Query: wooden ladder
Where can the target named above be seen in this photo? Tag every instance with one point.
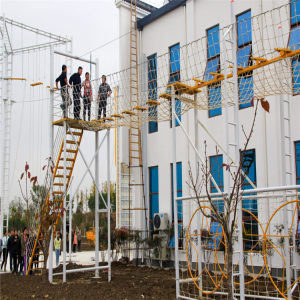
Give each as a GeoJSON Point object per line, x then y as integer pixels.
{"type": "Point", "coordinates": [58, 185]}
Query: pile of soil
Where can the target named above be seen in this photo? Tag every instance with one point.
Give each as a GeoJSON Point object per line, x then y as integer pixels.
{"type": "Point", "coordinates": [128, 282]}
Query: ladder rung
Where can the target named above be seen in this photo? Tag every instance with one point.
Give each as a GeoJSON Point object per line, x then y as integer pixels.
{"type": "Point", "coordinates": [71, 151]}
{"type": "Point", "coordinates": [61, 176]}
{"type": "Point", "coordinates": [58, 184]}
{"type": "Point", "coordinates": [68, 159]}
{"type": "Point", "coordinates": [75, 133]}
{"type": "Point", "coordinates": [71, 142]}
{"type": "Point", "coordinates": [57, 192]}
{"type": "Point", "coordinates": [61, 168]}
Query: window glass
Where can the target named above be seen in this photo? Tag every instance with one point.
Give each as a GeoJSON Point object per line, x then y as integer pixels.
{"type": "Point", "coordinates": [175, 58]}
{"type": "Point", "coordinates": [245, 91]}
{"type": "Point", "coordinates": [212, 67]}
{"type": "Point", "coordinates": [153, 125]}
{"type": "Point", "coordinates": [244, 28]}
{"type": "Point", "coordinates": [179, 190]}
{"type": "Point", "coordinates": [294, 42]}
{"type": "Point", "coordinates": [153, 191]}
{"type": "Point", "coordinates": [296, 76]}
{"type": "Point", "coordinates": [243, 56]}
{"type": "Point", "coordinates": [297, 146]}
{"type": "Point", "coordinates": [214, 98]}
{"type": "Point", "coordinates": [213, 42]}
{"type": "Point", "coordinates": [152, 68]}
{"type": "Point", "coordinates": [295, 12]}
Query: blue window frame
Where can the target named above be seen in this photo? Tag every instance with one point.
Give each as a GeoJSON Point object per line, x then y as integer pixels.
{"type": "Point", "coordinates": [153, 193]}
{"type": "Point", "coordinates": [152, 88]}
{"type": "Point", "coordinates": [250, 224]}
{"type": "Point", "coordinates": [179, 190]}
{"type": "Point", "coordinates": [245, 91]}
{"type": "Point", "coordinates": [216, 163]}
{"type": "Point", "coordinates": [213, 42]}
{"type": "Point", "coordinates": [214, 98]}
{"type": "Point", "coordinates": [244, 28]}
{"type": "Point", "coordinates": [295, 12]}
{"type": "Point", "coordinates": [244, 52]}
{"type": "Point", "coordinates": [212, 66]}
{"type": "Point", "coordinates": [297, 157]}
{"type": "Point", "coordinates": [296, 77]}
{"type": "Point", "coordinates": [294, 41]}
{"type": "Point", "coordinates": [175, 77]}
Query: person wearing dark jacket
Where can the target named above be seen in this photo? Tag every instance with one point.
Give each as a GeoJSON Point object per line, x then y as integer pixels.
{"type": "Point", "coordinates": [16, 251]}
{"type": "Point", "coordinates": [75, 80]}
{"type": "Point", "coordinates": [9, 244]}
{"type": "Point", "coordinates": [103, 93]}
{"type": "Point", "coordinates": [62, 79]}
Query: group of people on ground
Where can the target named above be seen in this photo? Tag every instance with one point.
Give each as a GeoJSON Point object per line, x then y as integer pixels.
{"type": "Point", "coordinates": [104, 91]}
{"type": "Point", "coordinates": [14, 246]}
{"type": "Point", "coordinates": [75, 240]}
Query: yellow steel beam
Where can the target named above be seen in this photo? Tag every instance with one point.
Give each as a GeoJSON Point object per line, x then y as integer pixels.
{"type": "Point", "coordinates": [284, 53]}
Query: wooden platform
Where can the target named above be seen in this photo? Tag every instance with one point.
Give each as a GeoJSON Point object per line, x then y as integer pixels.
{"type": "Point", "coordinates": [83, 125]}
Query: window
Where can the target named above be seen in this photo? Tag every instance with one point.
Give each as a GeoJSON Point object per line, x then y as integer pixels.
{"type": "Point", "coordinates": [153, 193]}
{"type": "Point", "coordinates": [216, 163]}
{"type": "Point", "coordinates": [297, 157]}
{"type": "Point", "coordinates": [244, 52]}
{"type": "Point", "coordinates": [179, 190]}
{"type": "Point", "coordinates": [250, 223]}
{"type": "Point", "coordinates": [213, 66]}
{"type": "Point", "coordinates": [152, 87]}
{"type": "Point", "coordinates": [294, 44]}
{"type": "Point", "coordinates": [174, 77]}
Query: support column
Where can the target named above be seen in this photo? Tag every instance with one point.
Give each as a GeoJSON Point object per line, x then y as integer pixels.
{"type": "Point", "coordinates": [283, 177]}
{"type": "Point", "coordinates": [108, 205]}
{"type": "Point", "coordinates": [237, 152]}
{"type": "Point", "coordinates": [175, 192]}
{"type": "Point", "coordinates": [96, 178]}
{"type": "Point", "coordinates": [65, 214]}
{"type": "Point", "coordinates": [50, 261]}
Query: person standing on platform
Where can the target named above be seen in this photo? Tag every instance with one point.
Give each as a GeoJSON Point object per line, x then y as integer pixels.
{"type": "Point", "coordinates": [75, 81]}
{"type": "Point", "coordinates": [103, 93]}
{"type": "Point", "coordinates": [62, 79]}
{"type": "Point", "coordinates": [87, 96]}
{"type": "Point", "coordinates": [5, 252]}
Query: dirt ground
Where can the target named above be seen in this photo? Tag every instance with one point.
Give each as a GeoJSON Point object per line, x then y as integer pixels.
{"type": "Point", "coordinates": [128, 282]}
{"type": "Point", "coordinates": [85, 245]}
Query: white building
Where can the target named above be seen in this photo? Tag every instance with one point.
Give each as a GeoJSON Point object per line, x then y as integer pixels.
{"type": "Point", "coordinates": [179, 23]}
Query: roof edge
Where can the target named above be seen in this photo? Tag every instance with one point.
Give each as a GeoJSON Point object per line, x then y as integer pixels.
{"type": "Point", "coordinates": [159, 13]}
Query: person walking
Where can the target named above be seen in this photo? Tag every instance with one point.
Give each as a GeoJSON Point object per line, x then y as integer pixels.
{"type": "Point", "coordinates": [9, 245]}
{"type": "Point", "coordinates": [62, 79]}
{"type": "Point", "coordinates": [15, 250]}
{"type": "Point", "coordinates": [87, 96]}
{"type": "Point", "coordinates": [22, 259]}
{"type": "Point", "coordinates": [79, 241]}
{"type": "Point", "coordinates": [57, 245]}
{"type": "Point", "coordinates": [75, 81]}
{"type": "Point", "coordinates": [1, 244]}
{"type": "Point", "coordinates": [103, 93]}
{"type": "Point", "coordinates": [5, 251]}
{"type": "Point", "coordinates": [67, 237]}
{"type": "Point", "coordinates": [74, 242]}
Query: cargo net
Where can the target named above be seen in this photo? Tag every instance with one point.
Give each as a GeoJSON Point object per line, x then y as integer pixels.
{"type": "Point", "coordinates": [268, 48]}
{"type": "Point", "coordinates": [269, 239]}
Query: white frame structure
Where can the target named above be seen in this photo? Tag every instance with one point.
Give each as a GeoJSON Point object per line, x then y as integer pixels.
{"type": "Point", "coordinates": [6, 58]}
{"type": "Point", "coordinates": [94, 178]}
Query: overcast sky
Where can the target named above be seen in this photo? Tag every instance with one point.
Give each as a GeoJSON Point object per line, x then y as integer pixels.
{"type": "Point", "coordinates": [91, 24]}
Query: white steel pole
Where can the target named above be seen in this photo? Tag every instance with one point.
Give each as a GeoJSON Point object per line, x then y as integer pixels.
{"type": "Point", "coordinates": [199, 246]}
{"type": "Point", "coordinates": [108, 205]}
{"type": "Point", "coordinates": [237, 152]}
{"type": "Point", "coordinates": [97, 184]}
{"type": "Point", "coordinates": [50, 262]}
{"type": "Point", "coordinates": [70, 228]}
{"type": "Point", "coordinates": [175, 192]}
{"type": "Point", "coordinates": [283, 177]}
{"type": "Point", "coordinates": [65, 205]}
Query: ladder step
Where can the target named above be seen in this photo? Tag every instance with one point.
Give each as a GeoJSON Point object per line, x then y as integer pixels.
{"type": "Point", "coordinates": [71, 142]}
{"type": "Point", "coordinates": [58, 200]}
{"type": "Point", "coordinates": [75, 133]}
{"type": "Point", "coordinates": [68, 159]}
{"type": "Point", "coordinates": [57, 192]}
{"type": "Point", "coordinates": [71, 151]}
{"type": "Point", "coordinates": [61, 168]}
{"type": "Point", "coordinates": [61, 176]}
{"type": "Point", "coordinates": [58, 184]}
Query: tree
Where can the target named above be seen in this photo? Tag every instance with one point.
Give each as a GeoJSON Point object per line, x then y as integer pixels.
{"type": "Point", "coordinates": [78, 218]}
{"type": "Point", "coordinates": [227, 217]}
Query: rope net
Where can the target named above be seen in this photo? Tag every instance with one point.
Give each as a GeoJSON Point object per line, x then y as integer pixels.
{"type": "Point", "coordinates": [265, 255]}
{"type": "Point", "coordinates": [267, 59]}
